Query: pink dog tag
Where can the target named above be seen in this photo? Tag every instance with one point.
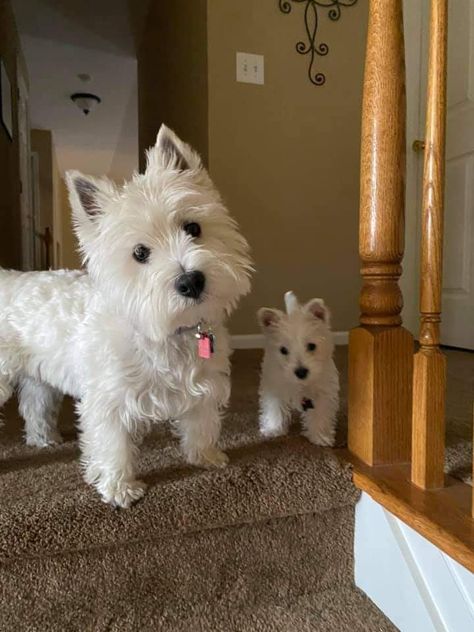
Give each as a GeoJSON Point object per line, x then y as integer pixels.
{"type": "Point", "coordinates": [205, 346]}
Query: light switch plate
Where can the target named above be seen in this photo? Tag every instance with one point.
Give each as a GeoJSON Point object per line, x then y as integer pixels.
{"type": "Point", "coordinates": [250, 68]}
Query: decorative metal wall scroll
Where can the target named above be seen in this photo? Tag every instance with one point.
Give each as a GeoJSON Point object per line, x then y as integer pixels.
{"type": "Point", "coordinates": [311, 22]}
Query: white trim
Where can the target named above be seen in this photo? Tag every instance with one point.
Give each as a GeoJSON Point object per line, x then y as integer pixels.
{"type": "Point", "coordinates": [341, 338]}
{"type": "Point", "coordinates": [420, 588]}
{"type": "Point", "coordinates": [247, 341]}
{"type": "Point", "coordinates": [256, 341]}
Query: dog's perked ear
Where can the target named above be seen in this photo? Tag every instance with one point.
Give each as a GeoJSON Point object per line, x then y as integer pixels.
{"type": "Point", "coordinates": [317, 308]}
{"type": "Point", "coordinates": [88, 197]}
{"type": "Point", "coordinates": [171, 153]}
{"type": "Point", "coordinates": [269, 318]}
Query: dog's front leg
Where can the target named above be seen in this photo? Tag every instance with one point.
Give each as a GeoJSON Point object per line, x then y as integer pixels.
{"type": "Point", "coordinates": [108, 456]}
{"type": "Point", "coordinates": [199, 430]}
{"type": "Point", "coordinates": [320, 422]}
{"type": "Point", "coordinates": [274, 416]}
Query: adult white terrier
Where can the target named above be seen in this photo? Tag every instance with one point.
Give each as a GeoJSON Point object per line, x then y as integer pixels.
{"type": "Point", "coordinates": [298, 370]}
{"type": "Point", "coordinates": [131, 337]}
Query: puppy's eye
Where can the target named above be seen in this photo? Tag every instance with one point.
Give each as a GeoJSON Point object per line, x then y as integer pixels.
{"type": "Point", "coordinates": [192, 228]}
{"type": "Point", "coordinates": [283, 350]}
{"type": "Point", "coordinates": [311, 346]}
{"type": "Point", "coordinates": [141, 253]}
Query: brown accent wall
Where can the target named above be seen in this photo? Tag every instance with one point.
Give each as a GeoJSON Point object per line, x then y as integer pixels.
{"type": "Point", "coordinates": [285, 155]}
{"type": "Point", "coordinates": [10, 219]}
{"type": "Point", "coordinates": [172, 73]}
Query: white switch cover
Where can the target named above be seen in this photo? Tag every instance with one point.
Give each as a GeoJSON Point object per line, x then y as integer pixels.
{"type": "Point", "coordinates": [249, 68]}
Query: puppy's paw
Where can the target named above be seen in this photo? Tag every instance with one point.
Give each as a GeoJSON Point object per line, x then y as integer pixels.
{"type": "Point", "coordinates": [122, 494]}
{"type": "Point", "coordinates": [272, 431]}
{"type": "Point", "coordinates": [319, 437]}
{"type": "Point", "coordinates": [210, 457]}
{"type": "Point", "coordinates": [44, 440]}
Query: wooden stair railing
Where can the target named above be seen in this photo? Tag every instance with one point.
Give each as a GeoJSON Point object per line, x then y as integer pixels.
{"type": "Point", "coordinates": [429, 380]}
{"type": "Point", "coordinates": [380, 350]}
{"type": "Point", "coordinates": [407, 483]}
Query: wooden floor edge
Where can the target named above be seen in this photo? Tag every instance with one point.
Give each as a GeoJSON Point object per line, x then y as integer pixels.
{"type": "Point", "coordinates": [441, 516]}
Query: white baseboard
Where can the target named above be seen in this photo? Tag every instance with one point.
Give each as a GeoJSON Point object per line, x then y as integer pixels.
{"type": "Point", "coordinates": [256, 341]}
{"type": "Point", "coordinates": [418, 587]}
{"type": "Point", "coordinates": [247, 341]}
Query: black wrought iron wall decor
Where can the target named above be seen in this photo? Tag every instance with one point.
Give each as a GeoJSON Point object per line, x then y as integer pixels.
{"type": "Point", "coordinates": [311, 22]}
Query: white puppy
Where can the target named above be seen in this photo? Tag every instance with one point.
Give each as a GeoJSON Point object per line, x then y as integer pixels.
{"type": "Point", "coordinates": [298, 370]}
{"type": "Point", "coordinates": [138, 337]}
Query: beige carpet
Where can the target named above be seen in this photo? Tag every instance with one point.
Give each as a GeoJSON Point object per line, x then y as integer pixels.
{"type": "Point", "coordinates": [264, 545]}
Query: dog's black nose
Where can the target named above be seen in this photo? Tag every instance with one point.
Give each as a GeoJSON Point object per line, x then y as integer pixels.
{"type": "Point", "coordinates": [301, 372]}
{"type": "Point", "coordinates": [191, 284]}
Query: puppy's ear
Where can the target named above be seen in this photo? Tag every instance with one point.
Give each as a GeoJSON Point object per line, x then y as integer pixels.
{"type": "Point", "coordinates": [317, 308]}
{"type": "Point", "coordinates": [88, 197]}
{"type": "Point", "coordinates": [170, 152]}
{"type": "Point", "coordinates": [269, 318]}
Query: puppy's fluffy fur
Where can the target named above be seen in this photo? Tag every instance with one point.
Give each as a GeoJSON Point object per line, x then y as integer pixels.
{"type": "Point", "coordinates": [298, 370]}
{"type": "Point", "coordinates": [120, 337]}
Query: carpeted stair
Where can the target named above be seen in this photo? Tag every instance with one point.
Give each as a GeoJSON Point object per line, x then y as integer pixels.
{"type": "Point", "coordinates": [263, 545]}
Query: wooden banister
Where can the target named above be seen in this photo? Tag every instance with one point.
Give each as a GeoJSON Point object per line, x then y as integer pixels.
{"type": "Point", "coordinates": [429, 381]}
{"type": "Point", "coordinates": [380, 350]}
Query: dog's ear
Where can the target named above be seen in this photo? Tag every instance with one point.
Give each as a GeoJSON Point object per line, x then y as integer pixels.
{"type": "Point", "coordinates": [269, 318]}
{"type": "Point", "coordinates": [170, 152]}
{"type": "Point", "coordinates": [88, 197]}
{"type": "Point", "coordinates": [317, 308]}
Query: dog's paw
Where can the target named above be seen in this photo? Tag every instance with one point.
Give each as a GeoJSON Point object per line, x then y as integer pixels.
{"type": "Point", "coordinates": [272, 431]}
{"type": "Point", "coordinates": [210, 457]}
{"type": "Point", "coordinates": [44, 440]}
{"type": "Point", "coordinates": [321, 438]}
{"type": "Point", "coordinates": [122, 494]}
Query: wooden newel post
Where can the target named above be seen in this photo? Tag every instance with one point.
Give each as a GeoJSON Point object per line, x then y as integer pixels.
{"type": "Point", "coordinates": [380, 350]}
{"type": "Point", "coordinates": [429, 381]}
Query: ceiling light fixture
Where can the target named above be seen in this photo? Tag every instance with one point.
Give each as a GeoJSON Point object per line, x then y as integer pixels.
{"type": "Point", "coordinates": [85, 101]}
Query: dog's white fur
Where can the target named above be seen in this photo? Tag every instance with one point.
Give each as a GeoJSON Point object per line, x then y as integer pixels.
{"type": "Point", "coordinates": [287, 336]}
{"type": "Point", "coordinates": [118, 337]}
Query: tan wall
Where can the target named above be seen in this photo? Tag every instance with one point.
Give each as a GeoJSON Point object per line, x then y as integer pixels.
{"type": "Point", "coordinates": [49, 185]}
{"type": "Point", "coordinates": [285, 155]}
{"type": "Point", "coordinates": [55, 210]}
{"type": "Point", "coordinates": [42, 144]}
{"type": "Point", "coordinates": [172, 73]}
{"type": "Point", "coordinates": [58, 221]}
{"type": "Point", "coordinates": [10, 219]}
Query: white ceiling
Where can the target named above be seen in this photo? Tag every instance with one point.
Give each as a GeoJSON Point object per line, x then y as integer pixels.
{"type": "Point", "coordinates": [61, 39]}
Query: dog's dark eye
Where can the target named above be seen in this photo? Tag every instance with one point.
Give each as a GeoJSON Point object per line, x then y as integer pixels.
{"type": "Point", "coordinates": [192, 228]}
{"type": "Point", "coordinates": [283, 350]}
{"type": "Point", "coordinates": [311, 346]}
{"type": "Point", "coordinates": [141, 253]}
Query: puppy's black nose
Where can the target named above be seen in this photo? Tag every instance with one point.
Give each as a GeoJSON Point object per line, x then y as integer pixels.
{"type": "Point", "coordinates": [191, 284]}
{"type": "Point", "coordinates": [301, 372]}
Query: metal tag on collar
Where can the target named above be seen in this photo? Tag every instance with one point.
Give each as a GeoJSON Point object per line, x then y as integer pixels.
{"type": "Point", "coordinates": [205, 342]}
